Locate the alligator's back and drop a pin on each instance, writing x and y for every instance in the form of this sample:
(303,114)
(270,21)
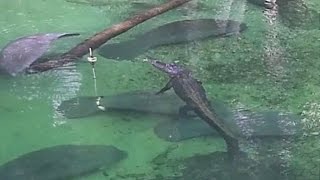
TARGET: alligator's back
(192,92)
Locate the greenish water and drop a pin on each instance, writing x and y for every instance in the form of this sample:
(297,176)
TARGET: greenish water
(269,66)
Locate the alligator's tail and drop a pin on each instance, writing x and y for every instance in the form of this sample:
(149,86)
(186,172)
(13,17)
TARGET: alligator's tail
(126,50)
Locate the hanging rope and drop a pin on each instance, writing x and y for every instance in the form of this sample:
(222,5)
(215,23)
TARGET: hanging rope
(92,60)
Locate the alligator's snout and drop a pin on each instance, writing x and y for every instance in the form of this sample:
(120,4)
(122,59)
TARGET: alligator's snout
(170,68)
(158,64)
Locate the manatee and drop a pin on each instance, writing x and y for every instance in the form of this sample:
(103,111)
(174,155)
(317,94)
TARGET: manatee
(186,127)
(245,124)
(61,162)
(268,124)
(171,33)
(19,54)
(145,102)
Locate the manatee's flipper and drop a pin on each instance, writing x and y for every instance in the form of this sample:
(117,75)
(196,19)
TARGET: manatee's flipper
(126,50)
(184,112)
(21,53)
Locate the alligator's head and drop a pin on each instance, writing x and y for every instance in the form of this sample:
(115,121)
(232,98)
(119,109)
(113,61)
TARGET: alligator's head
(171,69)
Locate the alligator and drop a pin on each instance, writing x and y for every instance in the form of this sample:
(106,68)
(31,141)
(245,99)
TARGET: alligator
(191,91)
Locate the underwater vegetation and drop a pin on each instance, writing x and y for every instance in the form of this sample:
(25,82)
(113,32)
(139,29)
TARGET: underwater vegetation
(311,117)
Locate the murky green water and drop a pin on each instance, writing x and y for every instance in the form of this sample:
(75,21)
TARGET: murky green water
(273,65)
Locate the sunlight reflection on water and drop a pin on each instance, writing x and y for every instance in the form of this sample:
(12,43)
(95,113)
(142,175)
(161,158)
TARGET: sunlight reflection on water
(69,82)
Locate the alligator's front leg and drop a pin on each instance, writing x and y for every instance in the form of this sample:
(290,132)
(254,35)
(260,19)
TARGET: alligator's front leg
(165,88)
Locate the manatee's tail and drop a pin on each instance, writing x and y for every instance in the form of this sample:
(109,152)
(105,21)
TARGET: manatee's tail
(126,50)
(69,34)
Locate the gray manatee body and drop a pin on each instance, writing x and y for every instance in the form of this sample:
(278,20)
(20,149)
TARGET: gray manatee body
(269,124)
(19,54)
(245,124)
(171,33)
(145,102)
(61,162)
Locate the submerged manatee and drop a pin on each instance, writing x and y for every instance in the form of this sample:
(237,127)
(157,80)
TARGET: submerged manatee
(61,162)
(137,101)
(268,124)
(244,123)
(19,54)
(171,33)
